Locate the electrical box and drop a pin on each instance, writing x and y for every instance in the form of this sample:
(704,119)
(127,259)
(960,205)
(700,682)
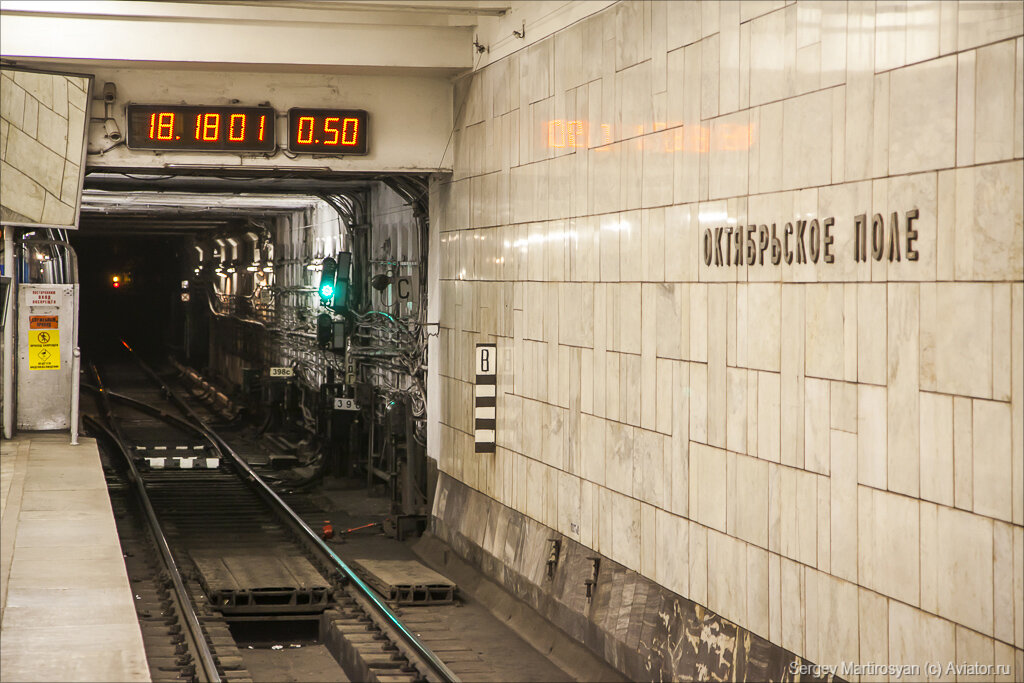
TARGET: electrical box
(251,380)
(46,342)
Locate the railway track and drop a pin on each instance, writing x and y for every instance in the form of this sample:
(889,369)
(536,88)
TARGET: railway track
(230,549)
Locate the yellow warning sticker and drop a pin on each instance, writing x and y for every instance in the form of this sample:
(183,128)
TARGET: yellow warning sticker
(44,349)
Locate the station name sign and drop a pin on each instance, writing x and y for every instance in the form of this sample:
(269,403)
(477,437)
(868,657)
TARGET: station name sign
(803,241)
(179,127)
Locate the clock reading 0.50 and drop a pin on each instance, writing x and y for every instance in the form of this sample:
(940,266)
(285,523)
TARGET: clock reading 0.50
(217,129)
(327,131)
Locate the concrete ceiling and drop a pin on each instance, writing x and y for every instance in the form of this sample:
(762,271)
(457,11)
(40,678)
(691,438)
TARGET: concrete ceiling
(353,36)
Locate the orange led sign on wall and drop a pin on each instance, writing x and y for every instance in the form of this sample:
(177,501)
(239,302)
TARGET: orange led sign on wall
(327,131)
(201,129)
(689,138)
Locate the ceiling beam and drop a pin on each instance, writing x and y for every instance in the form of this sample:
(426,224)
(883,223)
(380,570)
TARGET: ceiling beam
(30,34)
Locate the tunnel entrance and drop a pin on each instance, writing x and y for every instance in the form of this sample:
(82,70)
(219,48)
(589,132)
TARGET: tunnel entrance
(298,300)
(129,288)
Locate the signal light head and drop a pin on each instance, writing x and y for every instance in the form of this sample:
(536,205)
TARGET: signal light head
(327,274)
(324,330)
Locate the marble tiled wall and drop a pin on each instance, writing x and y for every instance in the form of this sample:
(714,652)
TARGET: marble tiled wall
(42,124)
(828,454)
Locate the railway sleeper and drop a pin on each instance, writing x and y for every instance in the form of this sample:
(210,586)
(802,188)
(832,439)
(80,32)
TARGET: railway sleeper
(231,662)
(171,663)
(150,632)
(227,654)
(186,672)
(156,637)
(175,652)
(363,651)
(383,660)
(216,629)
(359,637)
(156,675)
(149,618)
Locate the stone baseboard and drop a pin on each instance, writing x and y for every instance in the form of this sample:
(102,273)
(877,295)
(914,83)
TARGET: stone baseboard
(644,630)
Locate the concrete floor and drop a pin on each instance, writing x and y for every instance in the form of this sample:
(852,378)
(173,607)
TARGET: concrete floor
(66,608)
(309,664)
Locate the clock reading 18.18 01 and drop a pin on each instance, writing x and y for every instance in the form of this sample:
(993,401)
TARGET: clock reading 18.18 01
(327,131)
(201,129)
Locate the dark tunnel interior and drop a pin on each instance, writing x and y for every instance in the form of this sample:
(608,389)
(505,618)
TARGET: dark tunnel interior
(142,305)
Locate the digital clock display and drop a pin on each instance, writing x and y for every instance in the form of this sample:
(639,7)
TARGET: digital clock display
(327,131)
(201,129)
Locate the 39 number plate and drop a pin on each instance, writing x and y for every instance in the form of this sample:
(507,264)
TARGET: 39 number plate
(345,404)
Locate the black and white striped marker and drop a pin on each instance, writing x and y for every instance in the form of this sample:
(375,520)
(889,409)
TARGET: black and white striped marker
(485,396)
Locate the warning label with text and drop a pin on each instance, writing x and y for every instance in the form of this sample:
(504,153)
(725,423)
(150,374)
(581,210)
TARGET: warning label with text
(44,297)
(43,343)
(42,322)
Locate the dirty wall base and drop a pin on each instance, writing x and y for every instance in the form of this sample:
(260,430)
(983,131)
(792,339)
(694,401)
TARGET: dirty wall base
(641,628)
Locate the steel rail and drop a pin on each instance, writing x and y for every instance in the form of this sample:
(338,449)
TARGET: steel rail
(205,655)
(152,410)
(438,667)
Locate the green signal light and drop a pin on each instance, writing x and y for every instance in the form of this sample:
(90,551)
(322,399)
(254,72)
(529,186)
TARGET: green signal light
(327,275)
